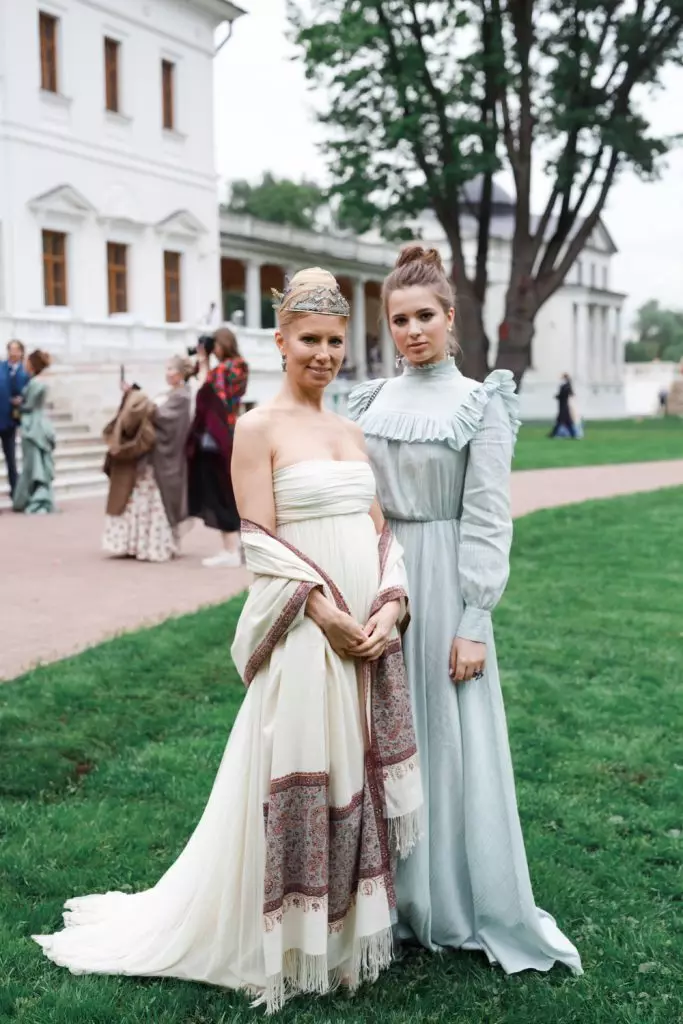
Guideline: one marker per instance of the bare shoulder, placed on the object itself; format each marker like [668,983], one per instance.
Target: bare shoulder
[254,425]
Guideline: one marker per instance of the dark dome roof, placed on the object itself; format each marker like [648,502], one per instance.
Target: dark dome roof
[471,191]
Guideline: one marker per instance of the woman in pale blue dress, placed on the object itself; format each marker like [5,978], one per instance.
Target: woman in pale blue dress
[441,446]
[33,493]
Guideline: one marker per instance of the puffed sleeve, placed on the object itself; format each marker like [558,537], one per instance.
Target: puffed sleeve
[486,522]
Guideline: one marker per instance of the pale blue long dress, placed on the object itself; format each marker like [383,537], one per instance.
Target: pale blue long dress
[441,446]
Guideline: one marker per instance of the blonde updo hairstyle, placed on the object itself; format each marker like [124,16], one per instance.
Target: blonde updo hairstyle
[303,282]
[184,366]
[423,268]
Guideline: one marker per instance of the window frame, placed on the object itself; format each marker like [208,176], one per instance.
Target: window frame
[174,275]
[168,89]
[112,75]
[117,278]
[53,290]
[49,51]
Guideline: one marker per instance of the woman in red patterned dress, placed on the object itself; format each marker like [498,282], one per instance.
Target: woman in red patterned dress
[211,496]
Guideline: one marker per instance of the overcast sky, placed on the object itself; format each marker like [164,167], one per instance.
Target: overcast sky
[265,121]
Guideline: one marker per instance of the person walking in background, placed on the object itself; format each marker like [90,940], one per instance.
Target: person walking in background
[33,492]
[441,446]
[13,380]
[147,469]
[211,496]
[564,424]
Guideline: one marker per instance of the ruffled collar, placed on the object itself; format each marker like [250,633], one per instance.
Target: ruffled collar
[444,368]
[402,410]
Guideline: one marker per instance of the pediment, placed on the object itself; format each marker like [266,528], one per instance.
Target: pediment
[181,224]
[601,240]
[63,201]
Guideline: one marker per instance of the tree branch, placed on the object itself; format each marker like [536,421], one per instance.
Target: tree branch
[553,281]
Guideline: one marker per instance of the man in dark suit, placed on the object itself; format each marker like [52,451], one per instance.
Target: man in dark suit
[13,380]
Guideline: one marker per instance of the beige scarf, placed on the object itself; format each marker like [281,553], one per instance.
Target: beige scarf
[343,793]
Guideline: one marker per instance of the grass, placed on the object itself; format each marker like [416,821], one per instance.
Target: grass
[604,443]
[106,761]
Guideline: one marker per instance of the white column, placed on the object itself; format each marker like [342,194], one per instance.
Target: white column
[604,345]
[618,346]
[253,293]
[590,344]
[359,329]
[388,349]
[583,343]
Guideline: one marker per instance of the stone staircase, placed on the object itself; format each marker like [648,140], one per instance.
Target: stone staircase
[79,456]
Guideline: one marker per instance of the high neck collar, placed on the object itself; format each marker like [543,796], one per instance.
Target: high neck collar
[445,368]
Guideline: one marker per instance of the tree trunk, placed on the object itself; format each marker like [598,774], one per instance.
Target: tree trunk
[517,331]
[470,333]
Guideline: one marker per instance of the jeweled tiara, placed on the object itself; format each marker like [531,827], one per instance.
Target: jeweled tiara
[321,299]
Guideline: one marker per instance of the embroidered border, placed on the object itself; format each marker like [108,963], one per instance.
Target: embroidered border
[277,631]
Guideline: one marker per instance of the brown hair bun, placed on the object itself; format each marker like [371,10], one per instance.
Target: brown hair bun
[417,254]
[39,361]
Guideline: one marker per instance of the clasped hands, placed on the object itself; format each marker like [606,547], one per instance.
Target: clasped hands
[347,637]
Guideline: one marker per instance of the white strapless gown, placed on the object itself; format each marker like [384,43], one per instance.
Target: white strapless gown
[203,920]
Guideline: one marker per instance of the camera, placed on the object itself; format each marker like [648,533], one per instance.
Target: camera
[205,342]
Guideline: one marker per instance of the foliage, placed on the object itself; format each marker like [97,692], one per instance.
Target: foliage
[606,443]
[278,200]
[423,98]
[659,334]
[107,759]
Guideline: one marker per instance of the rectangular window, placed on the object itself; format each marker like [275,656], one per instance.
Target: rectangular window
[167,90]
[605,278]
[172,286]
[117,275]
[48,51]
[111,74]
[54,268]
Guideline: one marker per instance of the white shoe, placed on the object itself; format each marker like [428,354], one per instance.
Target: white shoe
[226,560]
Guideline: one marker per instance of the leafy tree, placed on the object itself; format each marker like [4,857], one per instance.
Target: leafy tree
[424,96]
[278,200]
[659,334]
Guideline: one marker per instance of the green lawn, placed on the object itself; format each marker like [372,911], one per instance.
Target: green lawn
[605,442]
[107,759]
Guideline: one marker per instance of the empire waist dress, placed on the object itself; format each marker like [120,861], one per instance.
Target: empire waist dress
[440,445]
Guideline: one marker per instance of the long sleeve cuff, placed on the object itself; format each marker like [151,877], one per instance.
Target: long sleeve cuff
[475,625]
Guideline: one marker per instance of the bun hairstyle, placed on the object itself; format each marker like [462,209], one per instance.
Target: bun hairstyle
[183,365]
[416,266]
[303,282]
[39,361]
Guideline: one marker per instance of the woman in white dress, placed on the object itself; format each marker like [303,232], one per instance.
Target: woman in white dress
[286,884]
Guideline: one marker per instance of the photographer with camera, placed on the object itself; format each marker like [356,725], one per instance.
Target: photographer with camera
[211,495]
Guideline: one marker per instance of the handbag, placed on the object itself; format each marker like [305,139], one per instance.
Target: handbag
[208,443]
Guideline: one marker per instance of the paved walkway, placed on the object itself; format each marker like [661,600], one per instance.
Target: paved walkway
[58,595]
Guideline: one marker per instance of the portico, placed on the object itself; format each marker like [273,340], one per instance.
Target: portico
[257,257]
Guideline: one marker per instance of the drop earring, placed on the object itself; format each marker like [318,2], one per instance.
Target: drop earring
[284,363]
[398,362]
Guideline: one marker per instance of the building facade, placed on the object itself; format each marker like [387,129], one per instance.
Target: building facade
[108,216]
[113,250]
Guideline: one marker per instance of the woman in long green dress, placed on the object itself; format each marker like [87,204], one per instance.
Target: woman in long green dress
[33,493]
[441,445]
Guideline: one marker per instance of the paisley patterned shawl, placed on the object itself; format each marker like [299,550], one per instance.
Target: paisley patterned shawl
[328,859]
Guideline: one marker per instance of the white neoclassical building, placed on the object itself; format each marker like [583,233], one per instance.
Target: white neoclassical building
[578,331]
[109,242]
[113,249]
